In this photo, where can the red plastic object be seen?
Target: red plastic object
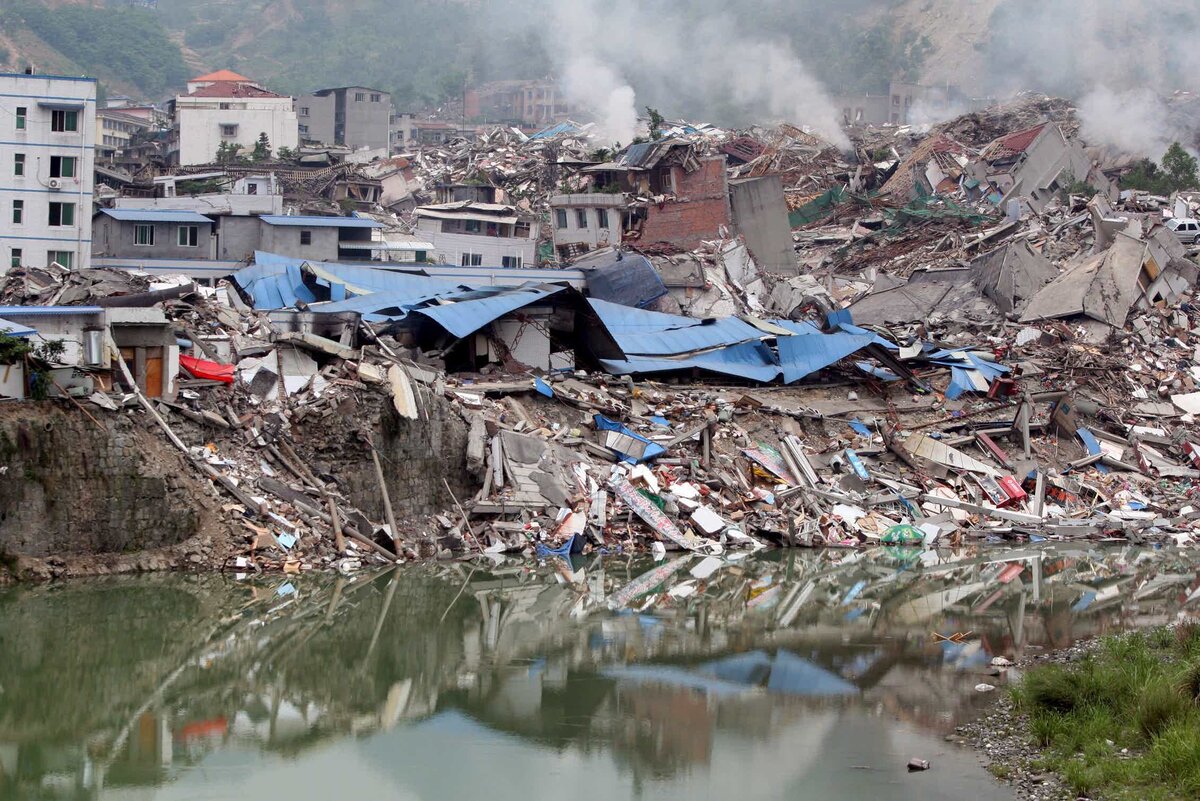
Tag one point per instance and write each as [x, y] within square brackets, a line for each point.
[209, 371]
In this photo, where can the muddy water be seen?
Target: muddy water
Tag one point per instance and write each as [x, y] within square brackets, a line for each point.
[784, 676]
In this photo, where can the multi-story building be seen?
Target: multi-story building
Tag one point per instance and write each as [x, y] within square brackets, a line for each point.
[355, 116]
[480, 234]
[47, 151]
[115, 130]
[530, 103]
[224, 108]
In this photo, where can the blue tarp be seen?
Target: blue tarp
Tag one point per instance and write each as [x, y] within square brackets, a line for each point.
[803, 355]
[630, 280]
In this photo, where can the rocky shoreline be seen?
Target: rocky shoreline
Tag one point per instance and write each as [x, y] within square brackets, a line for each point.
[1002, 736]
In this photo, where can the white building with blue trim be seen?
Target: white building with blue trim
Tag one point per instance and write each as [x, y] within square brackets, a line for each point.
[47, 150]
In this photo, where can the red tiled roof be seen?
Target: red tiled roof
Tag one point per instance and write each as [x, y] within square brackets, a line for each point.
[232, 89]
[1013, 143]
[221, 75]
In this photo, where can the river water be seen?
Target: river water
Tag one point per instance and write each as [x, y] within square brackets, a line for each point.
[787, 675]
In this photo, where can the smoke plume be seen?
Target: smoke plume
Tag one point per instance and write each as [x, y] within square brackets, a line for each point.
[619, 56]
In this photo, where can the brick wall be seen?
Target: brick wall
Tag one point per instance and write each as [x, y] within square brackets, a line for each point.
[701, 209]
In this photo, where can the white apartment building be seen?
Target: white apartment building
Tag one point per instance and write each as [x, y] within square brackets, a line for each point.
[47, 151]
[224, 107]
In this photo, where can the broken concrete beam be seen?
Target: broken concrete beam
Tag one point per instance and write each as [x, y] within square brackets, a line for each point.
[987, 511]
[318, 344]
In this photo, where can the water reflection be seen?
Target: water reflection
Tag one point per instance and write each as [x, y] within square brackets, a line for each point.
[807, 670]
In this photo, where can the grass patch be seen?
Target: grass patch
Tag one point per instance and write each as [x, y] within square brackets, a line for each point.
[1124, 722]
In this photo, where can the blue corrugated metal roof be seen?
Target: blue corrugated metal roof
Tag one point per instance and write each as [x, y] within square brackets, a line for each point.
[650, 333]
[156, 215]
[749, 360]
[47, 311]
[804, 355]
[468, 316]
[319, 222]
[630, 280]
[16, 329]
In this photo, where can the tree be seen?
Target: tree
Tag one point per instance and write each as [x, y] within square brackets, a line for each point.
[285, 154]
[1179, 167]
[1178, 171]
[227, 153]
[262, 148]
[655, 124]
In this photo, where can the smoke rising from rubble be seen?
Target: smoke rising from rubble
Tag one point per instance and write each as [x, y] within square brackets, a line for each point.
[618, 56]
[1118, 58]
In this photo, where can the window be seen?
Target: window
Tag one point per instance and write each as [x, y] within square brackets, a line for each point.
[62, 166]
[602, 218]
[560, 218]
[472, 259]
[375, 97]
[18, 212]
[581, 218]
[19, 164]
[22, 112]
[304, 111]
[62, 121]
[62, 257]
[15, 258]
[228, 130]
[225, 106]
[521, 230]
[511, 262]
[251, 189]
[306, 237]
[360, 97]
[303, 129]
[471, 226]
[895, 100]
[189, 236]
[143, 235]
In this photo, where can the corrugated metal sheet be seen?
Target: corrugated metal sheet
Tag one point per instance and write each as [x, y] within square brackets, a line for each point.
[649, 333]
[753, 361]
[157, 215]
[319, 222]
[468, 316]
[48, 311]
[803, 355]
[16, 329]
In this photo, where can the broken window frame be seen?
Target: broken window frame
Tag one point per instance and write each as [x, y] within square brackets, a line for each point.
[64, 257]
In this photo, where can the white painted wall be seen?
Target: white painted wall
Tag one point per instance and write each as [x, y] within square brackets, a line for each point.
[199, 120]
[34, 236]
[449, 248]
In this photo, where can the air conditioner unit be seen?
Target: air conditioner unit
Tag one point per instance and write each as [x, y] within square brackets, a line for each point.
[55, 183]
